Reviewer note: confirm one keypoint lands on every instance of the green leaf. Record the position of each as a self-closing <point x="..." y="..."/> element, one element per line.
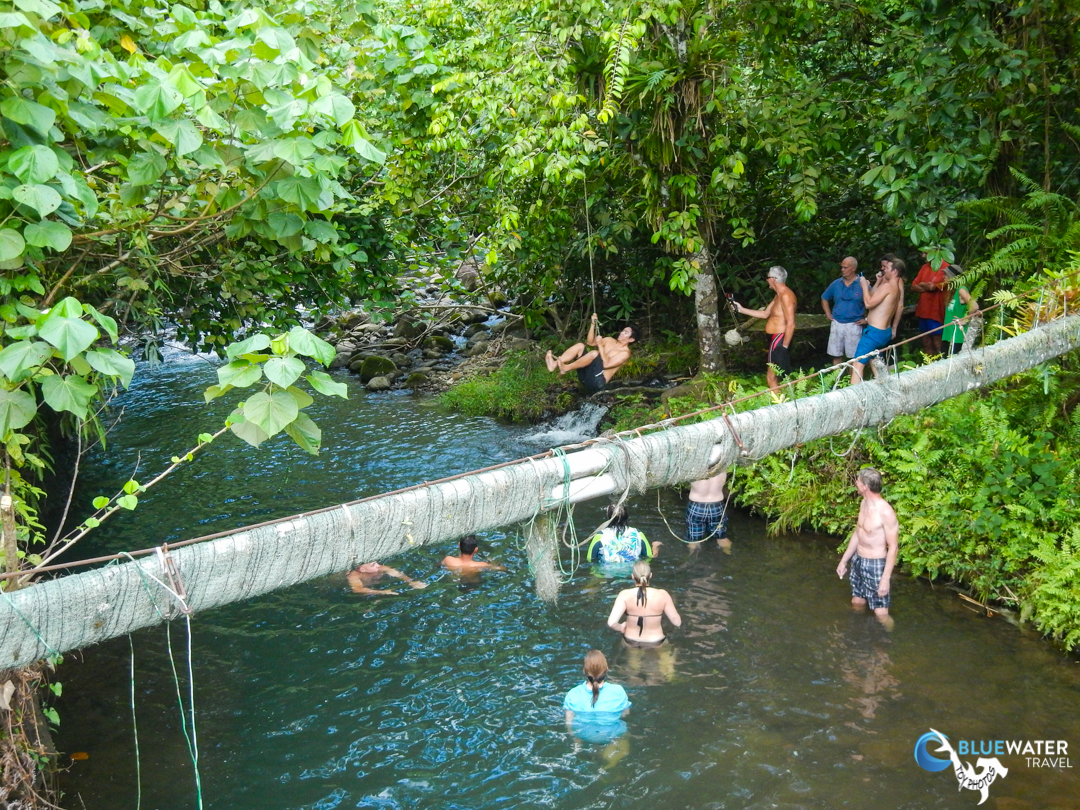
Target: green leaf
<point x="301" y="191"/>
<point x="215" y="391"/>
<point x="12" y="244"/>
<point x="91" y="523"/>
<point x="104" y="321"/>
<point x="271" y="412"/>
<point x="17" y="409"/>
<point x="307" y="344"/>
<point x="145" y="168"/>
<point x="71" y="393"/>
<point x="100" y="502"/>
<point x="43" y="8"/>
<point x="294" y="150"/>
<point x="239" y="374"/>
<point x="132" y="486"/>
<point x="285" y="225"/>
<point x="283" y="371"/>
<point x="182" y="134"/>
<point x="28" y="113"/>
<point x="50" y="234"/>
<point x="302" y="397"/>
<point x="69" y="335"/>
<point x="51" y="715"/>
<point x="335" y="106"/>
<point x="305" y="433"/>
<point x="156" y="101"/>
<point x="41" y="198"/>
<point x="128" y="502"/>
<point x="112" y="364"/>
<point x="69" y="307"/>
<point x="352" y="135"/>
<point x="183" y="80"/>
<point x="255" y="343"/>
<point x="327" y="385"/>
<point x="206" y="438"/>
<point x="33" y="164"/>
<point x="19" y="357"/>
<point x="248" y="431"/>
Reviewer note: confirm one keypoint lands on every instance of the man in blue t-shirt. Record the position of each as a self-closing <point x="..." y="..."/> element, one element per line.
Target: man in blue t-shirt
<point x="843" y="305"/>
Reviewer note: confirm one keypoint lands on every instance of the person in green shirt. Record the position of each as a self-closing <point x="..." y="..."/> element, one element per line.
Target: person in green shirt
<point x="961" y="305"/>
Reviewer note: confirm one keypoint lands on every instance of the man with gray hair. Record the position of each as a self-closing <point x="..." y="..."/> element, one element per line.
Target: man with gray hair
<point x="779" y="318"/>
<point x="872" y="548"/>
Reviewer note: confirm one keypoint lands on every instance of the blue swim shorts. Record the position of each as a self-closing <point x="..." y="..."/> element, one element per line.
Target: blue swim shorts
<point x="872" y="338"/>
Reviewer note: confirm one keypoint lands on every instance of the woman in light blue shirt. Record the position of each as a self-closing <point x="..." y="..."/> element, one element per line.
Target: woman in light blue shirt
<point x="595" y="709"/>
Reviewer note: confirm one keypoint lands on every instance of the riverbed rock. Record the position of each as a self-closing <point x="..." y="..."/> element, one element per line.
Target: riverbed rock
<point x="517" y="344"/>
<point x="432" y="354"/>
<point x="352" y="320"/>
<point x="407" y="328"/>
<point x="474" y="329"/>
<point x="378" y="384"/>
<point x="417" y="379"/>
<point x="439" y="343"/>
<point x="400" y="360"/>
<point x="372" y="367"/>
<point x="480" y="347"/>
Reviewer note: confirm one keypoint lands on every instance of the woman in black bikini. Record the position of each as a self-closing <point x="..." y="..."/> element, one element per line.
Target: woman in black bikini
<point x="643" y="607"/>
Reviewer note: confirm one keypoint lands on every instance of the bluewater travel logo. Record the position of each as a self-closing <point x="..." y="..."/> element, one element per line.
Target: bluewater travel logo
<point x="1037" y="753"/>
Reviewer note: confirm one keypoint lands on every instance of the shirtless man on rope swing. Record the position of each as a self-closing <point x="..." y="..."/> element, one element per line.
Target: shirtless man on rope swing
<point x="595" y="368"/>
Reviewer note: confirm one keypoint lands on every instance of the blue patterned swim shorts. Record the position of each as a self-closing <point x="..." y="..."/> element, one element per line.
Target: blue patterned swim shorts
<point x="865" y="576"/>
<point x="705" y="521"/>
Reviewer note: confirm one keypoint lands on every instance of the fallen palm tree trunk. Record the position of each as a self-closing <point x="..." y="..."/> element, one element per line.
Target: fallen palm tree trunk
<point x="79" y="610"/>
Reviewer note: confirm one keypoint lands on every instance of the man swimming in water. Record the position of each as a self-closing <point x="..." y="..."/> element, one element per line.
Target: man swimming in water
<point x="467" y="545"/>
<point x="595" y="368"/>
<point x="364" y="576"/>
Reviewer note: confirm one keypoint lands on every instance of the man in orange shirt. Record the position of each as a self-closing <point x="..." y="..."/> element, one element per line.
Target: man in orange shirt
<point x="930" y="284"/>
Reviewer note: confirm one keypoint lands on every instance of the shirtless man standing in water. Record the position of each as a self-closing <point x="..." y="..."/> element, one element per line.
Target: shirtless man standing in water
<point x="884" y="306"/>
<point x="706" y="513"/>
<point x="779" y="318"/>
<point x="872" y="549"/>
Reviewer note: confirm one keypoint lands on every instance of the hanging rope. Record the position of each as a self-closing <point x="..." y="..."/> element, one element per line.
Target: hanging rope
<point x="135" y="729"/>
<point x="588" y="242"/>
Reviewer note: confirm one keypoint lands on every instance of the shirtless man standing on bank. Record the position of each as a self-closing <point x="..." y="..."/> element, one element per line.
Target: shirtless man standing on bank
<point x="779" y="318"/>
<point x="884" y="306"/>
<point x="594" y="368"/>
<point x="872" y="549"/>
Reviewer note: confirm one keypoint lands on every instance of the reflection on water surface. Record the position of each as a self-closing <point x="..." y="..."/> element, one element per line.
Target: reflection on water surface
<point x="773" y="694"/>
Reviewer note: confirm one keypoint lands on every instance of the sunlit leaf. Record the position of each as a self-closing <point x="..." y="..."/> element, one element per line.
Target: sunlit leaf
<point x="19" y="357"/>
<point x="305" y="433"/>
<point x="239" y="374"/>
<point x="283" y="371"/>
<point x="69" y="335"/>
<point x="309" y="345"/>
<point x="33" y="164"/>
<point x="271" y="412"/>
<point x="327" y="385"/>
<point x="68" y="393"/>
<point x="17" y="409"/>
<point x="111" y="363"/>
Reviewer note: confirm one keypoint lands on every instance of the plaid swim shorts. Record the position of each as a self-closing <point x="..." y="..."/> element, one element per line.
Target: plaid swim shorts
<point x="865" y="576"/>
<point x="705" y="521"/>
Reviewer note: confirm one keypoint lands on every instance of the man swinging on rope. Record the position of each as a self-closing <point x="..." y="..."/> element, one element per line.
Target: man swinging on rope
<point x="595" y="368"/>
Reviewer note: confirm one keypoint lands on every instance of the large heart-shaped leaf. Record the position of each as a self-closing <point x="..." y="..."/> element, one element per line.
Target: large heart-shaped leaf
<point x="255" y="343"/>
<point x="239" y="374"/>
<point x="28" y="113"/>
<point x="303" y="342"/>
<point x="12" y="244"/>
<point x="50" y="234"/>
<point x="111" y="363"/>
<point x="283" y="371"/>
<point x="69" y="335"/>
<point x="71" y="393"/>
<point x="157" y="100"/>
<point x="17" y="408"/>
<point x="305" y="433"/>
<point x="271" y="412"/>
<point x="19" y="357"/>
<point x="33" y="164"/>
<point x="327" y="385"/>
<point x="41" y="198"/>
<point x="248" y="431"/>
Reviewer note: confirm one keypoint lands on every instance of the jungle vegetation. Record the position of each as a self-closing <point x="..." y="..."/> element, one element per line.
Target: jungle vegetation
<point x="209" y="170"/>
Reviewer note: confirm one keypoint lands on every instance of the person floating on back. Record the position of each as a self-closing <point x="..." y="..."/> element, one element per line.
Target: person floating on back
<point x="643" y="606"/>
<point x="594" y="368"/>
<point x="779" y="318"/>
<point x="467" y="545"/>
<point x="619" y="543"/>
<point x="872" y="548"/>
<point x="364" y="576"/>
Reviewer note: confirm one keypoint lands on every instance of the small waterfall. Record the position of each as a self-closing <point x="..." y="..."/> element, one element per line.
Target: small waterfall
<point x="569" y="428"/>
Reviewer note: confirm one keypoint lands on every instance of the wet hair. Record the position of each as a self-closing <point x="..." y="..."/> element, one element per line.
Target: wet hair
<point x="871" y="479"/>
<point x="642" y="573"/>
<point x="468" y="544"/>
<point x="596" y="670"/>
<point x="777" y="272"/>
<point x="617" y="517"/>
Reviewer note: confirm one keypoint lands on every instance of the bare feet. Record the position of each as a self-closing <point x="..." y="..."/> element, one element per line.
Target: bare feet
<point x="725" y="544"/>
<point x="549" y="358"/>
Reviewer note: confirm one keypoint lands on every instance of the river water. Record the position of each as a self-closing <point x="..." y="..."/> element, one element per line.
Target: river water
<point x="774" y="694"/>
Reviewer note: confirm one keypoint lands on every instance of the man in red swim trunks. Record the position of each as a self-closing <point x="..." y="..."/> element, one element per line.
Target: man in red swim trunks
<point x="779" y="318"/>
